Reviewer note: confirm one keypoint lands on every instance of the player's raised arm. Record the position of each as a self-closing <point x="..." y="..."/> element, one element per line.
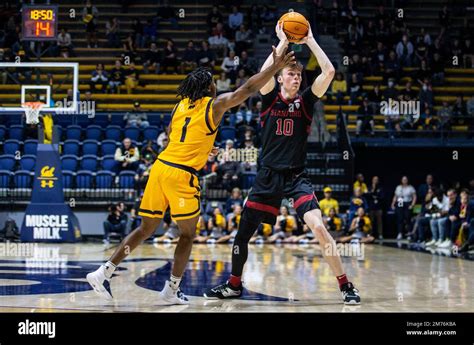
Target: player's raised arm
<point x="282" y="45"/>
<point x="229" y="100"/>
<point x="321" y="84"/>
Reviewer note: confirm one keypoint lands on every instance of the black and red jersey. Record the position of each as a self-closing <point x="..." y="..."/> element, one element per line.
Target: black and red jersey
<point x="286" y="125"/>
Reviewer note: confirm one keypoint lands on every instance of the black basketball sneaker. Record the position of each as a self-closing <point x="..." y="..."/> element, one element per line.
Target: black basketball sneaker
<point x="224" y="291"/>
<point x="350" y="294"/>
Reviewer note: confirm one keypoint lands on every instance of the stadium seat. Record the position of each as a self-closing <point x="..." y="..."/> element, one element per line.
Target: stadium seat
<point x="11" y="146"/>
<point x="94" y="132"/>
<point x="151" y="133"/>
<point x="113" y="133"/>
<point x="5" y="178"/>
<point x="63" y="120"/>
<point x="73" y="132"/>
<point x="90" y="147"/>
<point x="16" y="132"/>
<point x="69" y="162"/>
<point x="101" y="120"/>
<point x="84" y="179"/>
<point x="89" y="162"/>
<point x="104" y="179"/>
<point x="30" y="147"/>
<point x="3" y="133"/>
<point x="227" y="132"/>
<point x="23" y="179"/>
<point x="109" y="163"/>
<point x="154" y="120"/>
<point x="132" y="132"/>
<point x="7" y="162"/>
<point x="108" y="147"/>
<point x="58" y="129"/>
<point x="68" y="179"/>
<point x="127" y="179"/>
<point x="248" y="178"/>
<point x="71" y="147"/>
<point x="117" y="120"/>
<point x="27" y="162"/>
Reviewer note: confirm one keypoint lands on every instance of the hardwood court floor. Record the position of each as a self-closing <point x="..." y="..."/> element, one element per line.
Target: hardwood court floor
<point x="288" y="278"/>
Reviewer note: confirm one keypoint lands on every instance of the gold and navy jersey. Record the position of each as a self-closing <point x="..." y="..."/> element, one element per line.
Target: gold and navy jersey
<point x="192" y="133"/>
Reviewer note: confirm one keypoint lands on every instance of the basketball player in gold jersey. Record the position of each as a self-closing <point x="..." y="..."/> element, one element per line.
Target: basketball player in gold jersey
<point x="173" y="179"/>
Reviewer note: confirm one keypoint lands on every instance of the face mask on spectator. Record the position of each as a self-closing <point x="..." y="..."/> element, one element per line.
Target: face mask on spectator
<point x="425" y="87"/>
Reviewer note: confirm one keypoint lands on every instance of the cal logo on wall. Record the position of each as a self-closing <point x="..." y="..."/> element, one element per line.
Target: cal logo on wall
<point x="47" y="177"/>
<point x="47" y="217"/>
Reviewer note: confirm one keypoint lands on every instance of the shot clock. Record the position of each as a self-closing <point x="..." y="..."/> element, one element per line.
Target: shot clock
<point x="39" y="22"/>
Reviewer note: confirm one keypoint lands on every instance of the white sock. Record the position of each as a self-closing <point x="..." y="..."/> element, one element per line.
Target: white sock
<point x="109" y="269"/>
<point x="174" y="282"/>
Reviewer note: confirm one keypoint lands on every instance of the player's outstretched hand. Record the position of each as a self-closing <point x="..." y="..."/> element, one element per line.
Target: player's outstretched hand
<point x="308" y="37"/>
<point x="284" y="59"/>
<point x="280" y="33"/>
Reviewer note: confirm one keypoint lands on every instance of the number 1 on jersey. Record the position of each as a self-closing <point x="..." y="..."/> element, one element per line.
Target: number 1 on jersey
<point x="185" y="128"/>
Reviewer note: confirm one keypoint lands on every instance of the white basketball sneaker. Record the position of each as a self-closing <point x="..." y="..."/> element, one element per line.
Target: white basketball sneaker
<point x="173" y="296"/>
<point x="100" y="283"/>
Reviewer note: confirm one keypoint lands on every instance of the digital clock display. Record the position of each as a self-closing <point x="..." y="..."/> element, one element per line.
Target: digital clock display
<point x="39" y="23"/>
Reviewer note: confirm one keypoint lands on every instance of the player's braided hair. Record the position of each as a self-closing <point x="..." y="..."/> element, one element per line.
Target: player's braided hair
<point x="196" y="84"/>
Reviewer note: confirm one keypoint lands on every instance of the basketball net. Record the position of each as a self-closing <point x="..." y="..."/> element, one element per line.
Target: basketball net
<point x="32" y="110"/>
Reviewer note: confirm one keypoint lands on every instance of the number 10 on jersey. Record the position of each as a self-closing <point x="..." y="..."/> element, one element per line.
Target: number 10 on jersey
<point x="284" y="127"/>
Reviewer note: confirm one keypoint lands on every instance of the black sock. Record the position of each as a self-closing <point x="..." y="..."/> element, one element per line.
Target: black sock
<point x="240" y="246"/>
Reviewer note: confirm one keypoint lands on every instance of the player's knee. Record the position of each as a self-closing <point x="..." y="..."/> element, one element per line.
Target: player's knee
<point x="187" y="235"/>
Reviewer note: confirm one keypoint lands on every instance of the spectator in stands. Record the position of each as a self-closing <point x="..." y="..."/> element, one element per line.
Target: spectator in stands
<point x="355" y="89"/>
<point x="115" y="223"/>
<point x="117" y="77"/>
<point x="243" y="39"/>
<point x="127" y="155"/>
<point x="424" y="72"/>
<point x="249" y="162"/>
<point x="229" y="168"/>
<point x="138" y="33"/>
<point x="428" y="121"/>
<point x="230" y="65"/>
<point x="459" y="108"/>
<point x="408" y="94"/>
<point x="459" y="220"/>
<point x="437" y="69"/>
<point x="328" y="202"/>
<point x="207" y="57"/>
<point x="421" y="51"/>
<point x="268" y="15"/>
<point x="152" y="59"/>
<point x="171" y="234"/>
<point x="452" y="216"/>
<point x="242" y="78"/>
<point x="468" y="54"/>
<point x="223" y="84"/>
<point x="247" y="63"/>
<point x="360" y="228"/>
<point x="190" y="58"/>
<point x="233" y="221"/>
<point x="404" y="199"/>
<point x="134" y="217"/>
<point x="376" y="200"/>
<point x="89" y="17"/>
<point x="130" y="47"/>
<point x="167" y="12"/>
<point x="392" y="67"/>
<point x="143" y="171"/>
<point x="218" y="43"/>
<point x="426" y="95"/>
<point x="170" y="58"/>
<point x="365" y="118"/>
<point x="390" y="92"/>
<point x="357" y="200"/>
<point x="338" y="89"/>
<point x="423" y="219"/>
<point x="439" y="217"/>
<point x="234" y="199"/>
<point x="149" y="149"/>
<point x="236" y="19"/>
<point x="210" y="167"/>
<point x="213" y="18"/>
<point x="284" y="227"/>
<point x="444" y="19"/>
<point x="468" y="226"/>
<point x="379" y="57"/>
<point x="99" y="77"/>
<point x="137" y="117"/>
<point x="359" y="183"/>
<point x="112" y="32"/>
<point x="254" y="21"/>
<point x="149" y="32"/>
<point x="423" y="188"/>
<point x="445" y="115"/>
<point x="132" y="78"/>
<point x="64" y="42"/>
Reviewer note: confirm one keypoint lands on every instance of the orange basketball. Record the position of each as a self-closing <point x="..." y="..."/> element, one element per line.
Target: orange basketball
<point x="295" y="26"/>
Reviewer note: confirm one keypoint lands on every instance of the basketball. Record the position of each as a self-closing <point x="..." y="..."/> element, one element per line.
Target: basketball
<point x="295" y="26"/>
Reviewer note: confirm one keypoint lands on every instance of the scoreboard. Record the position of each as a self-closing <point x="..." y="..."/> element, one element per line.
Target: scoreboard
<point x="39" y="22"/>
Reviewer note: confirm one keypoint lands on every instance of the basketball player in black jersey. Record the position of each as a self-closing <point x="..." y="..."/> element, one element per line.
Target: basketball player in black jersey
<point x="286" y="122"/>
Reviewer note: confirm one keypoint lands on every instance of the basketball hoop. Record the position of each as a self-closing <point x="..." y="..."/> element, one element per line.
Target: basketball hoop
<point x="32" y="110"/>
